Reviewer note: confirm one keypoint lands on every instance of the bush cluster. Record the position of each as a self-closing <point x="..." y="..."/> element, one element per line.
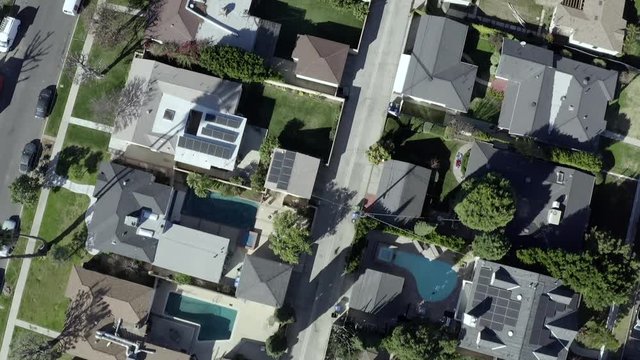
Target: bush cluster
<point x="359" y="243"/>
<point x="451" y="242"/>
<point x="358" y="8"/>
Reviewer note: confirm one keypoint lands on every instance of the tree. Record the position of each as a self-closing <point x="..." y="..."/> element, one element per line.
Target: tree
<point x="380" y="152"/>
<point x="631" y="45"/>
<point x="578" y="159"/>
<point x="290" y="237"/>
<point x="259" y="176"/>
<point x="230" y="62"/>
<point x="107" y="26"/>
<point x="418" y="342"/>
<point x="422" y="228"/>
<point x="488" y="203"/>
<point x="130" y="100"/>
<point x="594" y="335"/>
<point x="25" y="190"/>
<point x="606" y="273"/>
<point x="491" y="246"/>
<point x="200" y="184"/>
<point x="32" y="346"/>
<point x="276" y="344"/>
<point x="344" y="343"/>
<point x="88" y="71"/>
<point x="285" y="314"/>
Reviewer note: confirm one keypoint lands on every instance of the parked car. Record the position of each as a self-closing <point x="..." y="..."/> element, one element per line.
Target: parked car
<point x="10" y="226"/>
<point x="636" y="327"/>
<point x="28" y="157"/>
<point x="393" y="109"/>
<point x="45" y="102"/>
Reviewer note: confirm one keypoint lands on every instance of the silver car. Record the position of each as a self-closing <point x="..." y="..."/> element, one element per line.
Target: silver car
<point x="28" y="158"/>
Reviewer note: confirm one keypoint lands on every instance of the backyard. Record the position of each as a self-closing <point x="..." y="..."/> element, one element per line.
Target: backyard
<point x="66" y="78"/>
<point x="311" y="17"/>
<point x="623" y="116"/>
<point x="43" y="301"/>
<point x="620" y="157"/>
<point x="527" y="9"/>
<point x="611" y="205"/>
<point x="114" y="61"/>
<point x="302" y="122"/>
<point x="82" y="152"/>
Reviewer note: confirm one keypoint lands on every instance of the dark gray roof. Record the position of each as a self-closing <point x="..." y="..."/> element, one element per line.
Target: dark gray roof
<point x="436" y="72"/>
<point x="373" y="290"/>
<point x="513" y="324"/>
<point x="537" y="186"/>
<point x="264" y="281"/>
<point x="121" y="194"/>
<point x="401" y="191"/>
<point x="556" y="100"/>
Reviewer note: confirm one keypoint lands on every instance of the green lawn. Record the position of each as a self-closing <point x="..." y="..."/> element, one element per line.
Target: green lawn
<point x="64" y="86"/>
<point x="611" y="205"/>
<point x="423" y="112"/>
<point x="527" y="9"/>
<point x="115" y="61"/>
<point x="43" y="301"/>
<point x="301" y="122"/>
<point x="620" y="157"/>
<point x="311" y="17"/>
<point x="86" y="148"/>
<point x="623" y="116"/>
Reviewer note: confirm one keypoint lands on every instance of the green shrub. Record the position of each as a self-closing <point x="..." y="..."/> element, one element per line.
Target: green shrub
<point x="380" y="152"/>
<point x="594" y="335"/>
<point x="600" y="62"/>
<point x="631" y="45"/>
<point x="486" y="109"/>
<point x="276" y="344"/>
<point x="233" y="63"/>
<point x="578" y="159"/>
<point x="422" y="228"/>
<point x="491" y="246"/>
<point x="451" y="242"/>
<point x="182" y="279"/>
<point x="363" y="227"/>
<point x="285" y="314"/>
<point x="358" y="8"/>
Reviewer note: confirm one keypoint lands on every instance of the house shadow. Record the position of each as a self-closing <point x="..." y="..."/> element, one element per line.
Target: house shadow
<point x="256" y="108"/>
<point x="314" y="142"/>
<point x="248" y="349"/>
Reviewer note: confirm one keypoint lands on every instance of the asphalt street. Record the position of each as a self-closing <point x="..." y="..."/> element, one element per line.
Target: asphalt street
<point x="34" y="62"/>
<point x="322" y="282"/>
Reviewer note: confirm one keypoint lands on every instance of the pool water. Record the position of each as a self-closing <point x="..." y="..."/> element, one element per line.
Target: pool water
<point x="216" y="322"/>
<point x="435" y="279"/>
<point x="229" y="210"/>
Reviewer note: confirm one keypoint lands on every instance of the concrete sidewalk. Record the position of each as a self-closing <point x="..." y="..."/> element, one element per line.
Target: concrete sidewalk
<point x="38" y="329"/>
<point x="91" y="125"/>
<point x="620" y="137"/>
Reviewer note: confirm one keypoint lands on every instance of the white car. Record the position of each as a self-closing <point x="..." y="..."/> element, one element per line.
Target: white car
<point x="12" y="226"/>
<point x="8" y="31"/>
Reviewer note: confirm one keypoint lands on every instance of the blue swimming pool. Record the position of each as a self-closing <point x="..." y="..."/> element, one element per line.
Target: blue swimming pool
<point x="229" y="210"/>
<point x="435" y="279"/>
<point x="216" y="322"/>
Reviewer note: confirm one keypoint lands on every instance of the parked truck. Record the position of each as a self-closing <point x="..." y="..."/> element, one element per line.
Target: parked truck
<point x="8" y="31"/>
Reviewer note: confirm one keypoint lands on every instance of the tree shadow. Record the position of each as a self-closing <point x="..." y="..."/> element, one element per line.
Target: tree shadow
<point x="69" y="156"/>
<point x="616" y="121"/>
<point x="335" y="201"/>
<point x="92" y="161"/>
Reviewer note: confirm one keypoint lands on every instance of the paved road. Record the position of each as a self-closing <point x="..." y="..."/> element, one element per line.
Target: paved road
<point x="33" y="64"/>
<point x="322" y="284"/>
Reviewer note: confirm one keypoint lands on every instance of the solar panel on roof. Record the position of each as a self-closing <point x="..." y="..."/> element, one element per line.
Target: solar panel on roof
<point x="224" y="120"/>
<point x="220" y="133"/>
<point x="503" y="310"/>
<point x="281" y="167"/>
<point x="205" y="147"/>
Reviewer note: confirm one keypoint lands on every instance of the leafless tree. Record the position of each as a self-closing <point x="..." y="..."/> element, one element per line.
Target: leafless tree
<point x="88" y="71"/>
<point x="107" y="26"/>
<point x="133" y="96"/>
<point x="105" y="107"/>
<point x="85" y="310"/>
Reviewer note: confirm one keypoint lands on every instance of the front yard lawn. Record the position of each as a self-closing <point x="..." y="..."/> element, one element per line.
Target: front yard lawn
<point x="43" y="301"/>
<point x="310" y="17"/>
<point x="620" y="157"/>
<point x="611" y="205"/>
<point x="83" y="150"/>
<point x="115" y="61"/>
<point x="301" y="122"/>
<point x="624" y="116"/>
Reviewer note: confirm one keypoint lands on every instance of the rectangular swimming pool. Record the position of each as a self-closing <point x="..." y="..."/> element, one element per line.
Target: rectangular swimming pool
<point x="216" y="322"/>
<point x="229" y="210"/>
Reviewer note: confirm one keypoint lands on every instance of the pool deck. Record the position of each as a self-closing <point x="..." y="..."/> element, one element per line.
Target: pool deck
<point x="254" y="322"/>
<point x="407" y="302"/>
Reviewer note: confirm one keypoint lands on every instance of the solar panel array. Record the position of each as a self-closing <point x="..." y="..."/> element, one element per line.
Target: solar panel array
<point x="224" y="120"/>
<point x="220" y="133"/>
<point x="502" y="311"/>
<point x="205" y="147"/>
<point x="281" y="167"/>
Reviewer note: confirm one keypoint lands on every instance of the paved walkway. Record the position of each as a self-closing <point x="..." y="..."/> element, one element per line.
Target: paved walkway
<point x="91" y="124"/>
<point x="620" y="137"/>
<point x="12" y="320"/>
<point x="36" y="328"/>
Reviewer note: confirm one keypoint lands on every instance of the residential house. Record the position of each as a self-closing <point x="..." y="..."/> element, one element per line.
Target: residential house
<point x="432" y="70"/>
<point x="596" y="25"/>
<point x="400" y="193"/>
<point x="320" y="60"/>
<point x="134" y="216"/>
<point x="186" y="117"/>
<point x="292" y="173"/>
<point x="374" y="290"/>
<point x="552" y="99"/>
<point x="514" y="314"/>
<point x="264" y="281"/>
<point x="552" y="201"/>
<point x="102" y="302"/>
<point x="216" y="21"/>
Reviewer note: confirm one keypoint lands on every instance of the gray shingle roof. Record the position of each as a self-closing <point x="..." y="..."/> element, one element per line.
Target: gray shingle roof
<point x="536" y="187"/>
<point x="436" y="72"/>
<point x="402" y="191"/>
<point x="515" y="324"/>
<point x="559" y="101"/>
<point x="264" y="281"/>
<point x="373" y="290"/>
<point x="122" y="192"/>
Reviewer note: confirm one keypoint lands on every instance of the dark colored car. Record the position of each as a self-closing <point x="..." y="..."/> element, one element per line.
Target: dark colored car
<point x="28" y="158"/>
<point x="45" y="102"/>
